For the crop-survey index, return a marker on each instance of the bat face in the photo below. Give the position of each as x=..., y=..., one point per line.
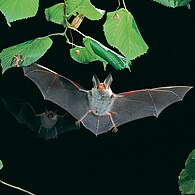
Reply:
x=99, y=109
x=50, y=114
x=49, y=119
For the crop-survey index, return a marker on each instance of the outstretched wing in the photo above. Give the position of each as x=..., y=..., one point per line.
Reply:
x=23, y=112
x=134, y=105
x=65, y=123
x=60, y=90
x=138, y=104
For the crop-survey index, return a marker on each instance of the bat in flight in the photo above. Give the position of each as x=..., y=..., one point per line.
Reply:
x=47, y=125
x=99, y=109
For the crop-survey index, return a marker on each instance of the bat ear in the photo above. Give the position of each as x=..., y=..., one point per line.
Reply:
x=95, y=80
x=108, y=81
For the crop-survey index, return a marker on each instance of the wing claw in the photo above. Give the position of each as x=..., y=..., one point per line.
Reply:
x=114, y=130
x=78, y=123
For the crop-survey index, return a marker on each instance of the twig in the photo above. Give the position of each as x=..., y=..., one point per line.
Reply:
x=72, y=39
x=124, y=5
x=15, y=187
x=78, y=31
x=56, y=34
x=119, y=4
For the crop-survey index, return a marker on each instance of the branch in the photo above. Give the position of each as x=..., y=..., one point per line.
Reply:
x=15, y=187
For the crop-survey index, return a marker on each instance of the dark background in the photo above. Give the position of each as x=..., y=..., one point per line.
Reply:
x=145, y=156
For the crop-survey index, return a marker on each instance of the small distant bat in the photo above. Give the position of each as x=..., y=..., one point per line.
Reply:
x=99, y=109
x=47, y=125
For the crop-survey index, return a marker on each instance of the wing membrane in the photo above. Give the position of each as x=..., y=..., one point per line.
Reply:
x=138, y=104
x=58, y=89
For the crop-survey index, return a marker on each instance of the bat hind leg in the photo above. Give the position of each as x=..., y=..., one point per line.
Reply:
x=114, y=128
x=77, y=123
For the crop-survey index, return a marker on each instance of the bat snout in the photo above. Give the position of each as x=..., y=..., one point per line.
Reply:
x=101, y=87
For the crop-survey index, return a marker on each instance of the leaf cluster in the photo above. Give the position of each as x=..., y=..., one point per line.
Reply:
x=120, y=31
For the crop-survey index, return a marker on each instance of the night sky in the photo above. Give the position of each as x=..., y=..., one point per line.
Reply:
x=146, y=156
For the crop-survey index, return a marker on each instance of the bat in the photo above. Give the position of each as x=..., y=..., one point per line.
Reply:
x=99, y=109
x=47, y=125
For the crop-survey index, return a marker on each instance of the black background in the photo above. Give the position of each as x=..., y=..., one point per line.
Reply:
x=145, y=156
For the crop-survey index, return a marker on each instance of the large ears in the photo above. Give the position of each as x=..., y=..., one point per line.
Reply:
x=108, y=81
x=95, y=80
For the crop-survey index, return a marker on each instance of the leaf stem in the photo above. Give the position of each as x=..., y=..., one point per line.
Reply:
x=78, y=31
x=56, y=34
x=119, y=4
x=68, y=41
x=124, y=5
x=15, y=187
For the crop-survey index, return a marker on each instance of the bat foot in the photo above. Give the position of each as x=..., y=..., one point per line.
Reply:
x=115, y=113
x=78, y=124
x=114, y=130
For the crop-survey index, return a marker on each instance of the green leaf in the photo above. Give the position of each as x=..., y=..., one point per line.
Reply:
x=122, y=32
x=72, y=6
x=82, y=55
x=25, y=53
x=117, y=61
x=90, y=11
x=18, y=9
x=174, y=3
x=56, y=14
x=1, y=164
x=187, y=176
x=85, y=54
x=94, y=51
x=83, y=7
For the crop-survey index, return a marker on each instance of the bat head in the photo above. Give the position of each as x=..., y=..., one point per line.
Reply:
x=102, y=86
x=50, y=114
x=49, y=119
